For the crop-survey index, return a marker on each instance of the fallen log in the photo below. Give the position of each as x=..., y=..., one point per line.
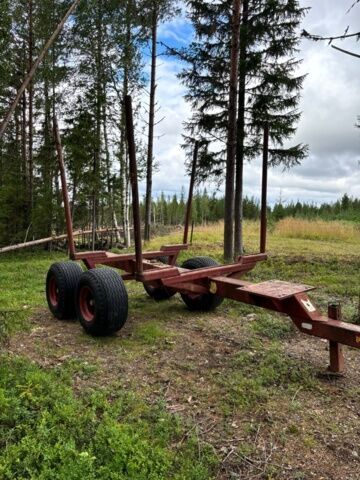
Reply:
x=44, y=241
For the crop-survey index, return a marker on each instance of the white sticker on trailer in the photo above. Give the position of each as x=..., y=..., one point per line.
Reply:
x=306, y=326
x=308, y=305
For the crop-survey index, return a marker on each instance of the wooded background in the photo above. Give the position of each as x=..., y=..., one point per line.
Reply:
x=240, y=70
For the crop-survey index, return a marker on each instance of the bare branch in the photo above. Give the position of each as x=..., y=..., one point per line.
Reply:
x=159, y=121
x=346, y=51
x=318, y=38
x=353, y=5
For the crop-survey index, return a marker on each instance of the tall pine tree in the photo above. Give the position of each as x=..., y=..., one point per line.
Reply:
x=268, y=85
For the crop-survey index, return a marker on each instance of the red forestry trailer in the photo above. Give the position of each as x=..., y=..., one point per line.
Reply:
x=98, y=297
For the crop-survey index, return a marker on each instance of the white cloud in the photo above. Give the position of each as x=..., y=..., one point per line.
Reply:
x=330, y=105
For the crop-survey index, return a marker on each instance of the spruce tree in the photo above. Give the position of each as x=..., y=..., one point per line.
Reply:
x=268, y=85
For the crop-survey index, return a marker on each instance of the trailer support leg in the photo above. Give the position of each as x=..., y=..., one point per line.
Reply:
x=337, y=360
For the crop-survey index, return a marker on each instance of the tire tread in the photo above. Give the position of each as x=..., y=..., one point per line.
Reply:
x=67, y=275
x=207, y=301
x=111, y=301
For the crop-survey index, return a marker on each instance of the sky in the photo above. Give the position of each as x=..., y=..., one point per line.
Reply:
x=330, y=104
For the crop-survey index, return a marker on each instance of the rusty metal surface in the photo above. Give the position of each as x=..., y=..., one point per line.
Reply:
x=263, y=222
x=276, y=289
x=208, y=272
x=258, y=257
x=64, y=188
x=134, y=182
x=167, y=248
x=91, y=255
x=191, y=192
x=152, y=273
x=337, y=359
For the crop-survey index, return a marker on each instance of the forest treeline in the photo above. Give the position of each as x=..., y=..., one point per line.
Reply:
x=96, y=61
x=170, y=210
x=240, y=70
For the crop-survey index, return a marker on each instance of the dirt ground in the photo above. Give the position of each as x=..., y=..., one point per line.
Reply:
x=308, y=434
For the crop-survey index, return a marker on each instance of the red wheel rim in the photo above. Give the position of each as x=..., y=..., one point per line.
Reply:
x=53, y=292
x=87, y=304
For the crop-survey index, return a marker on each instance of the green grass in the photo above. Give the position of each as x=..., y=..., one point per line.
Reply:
x=257, y=375
x=150, y=333
x=46, y=432
x=102, y=413
x=22, y=278
x=272, y=326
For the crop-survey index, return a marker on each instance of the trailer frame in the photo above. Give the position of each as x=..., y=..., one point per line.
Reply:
x=223, y=281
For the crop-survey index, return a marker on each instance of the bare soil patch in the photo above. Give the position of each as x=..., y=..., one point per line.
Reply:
x=303, y=435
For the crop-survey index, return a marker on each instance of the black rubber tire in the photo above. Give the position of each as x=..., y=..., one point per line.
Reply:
x=159, y=293
x=61, y=282
x=110, y=302
x=207, y=301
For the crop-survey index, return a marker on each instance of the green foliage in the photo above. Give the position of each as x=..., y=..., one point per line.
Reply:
x=75, y=420
x=47, y=432
x=210, y=208
x=12, y=321
x=96, y=60
x=346, y=208
x=22, y=279
x=149, y=333
x=269, y=87
x=258, y=374
x=272, y=326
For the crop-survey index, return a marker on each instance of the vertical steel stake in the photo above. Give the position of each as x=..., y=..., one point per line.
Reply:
x=134, y=183
x=69, y=223
x=337, y=360
x=191, y=193
x=192, y=232
x=263, y=221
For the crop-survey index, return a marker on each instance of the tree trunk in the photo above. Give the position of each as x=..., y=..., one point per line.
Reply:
x=24, y=162
x=150, y=153
x=238, y=240
x=124, y=163
x=74, y=195
x=111, y=201
x=47, y=161
x=125, y=196
x=22, y=220
x=98, y=116
x=231, y=141
x=30, y=169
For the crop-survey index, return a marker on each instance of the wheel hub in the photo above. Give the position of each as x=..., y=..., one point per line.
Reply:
x=87, y=304
x=53, y=292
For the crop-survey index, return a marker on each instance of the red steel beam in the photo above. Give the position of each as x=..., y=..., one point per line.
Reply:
x=205, y=273
x=65, y=193
x=337, y=360
x=107, y=258
x=263, y=223
x=178, y=248
x=244, y=265
x=159, y=274
x=191, y=192
x=134, y=182
x=298, y=307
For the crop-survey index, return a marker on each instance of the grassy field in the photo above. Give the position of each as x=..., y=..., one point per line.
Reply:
x=237, y=393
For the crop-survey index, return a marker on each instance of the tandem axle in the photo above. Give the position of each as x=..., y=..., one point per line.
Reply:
x=98, y=298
